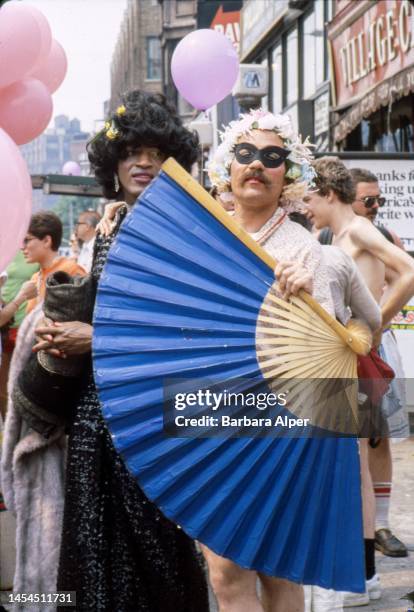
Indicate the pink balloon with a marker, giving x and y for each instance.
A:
(15, 199)
(71, 168)
(53, 70)
(20, 42)
(25, 110)
(204, 67)
(46, 35)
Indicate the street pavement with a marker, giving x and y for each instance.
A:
(397, 575)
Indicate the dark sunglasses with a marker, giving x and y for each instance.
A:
(369, 201)
(271, 157)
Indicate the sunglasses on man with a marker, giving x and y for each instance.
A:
(369, 201)
(271, 157)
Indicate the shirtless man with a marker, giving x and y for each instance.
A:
(379, 262)
(367, 203)
(373, 254)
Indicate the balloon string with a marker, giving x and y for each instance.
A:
(203, 183)
(202, 165)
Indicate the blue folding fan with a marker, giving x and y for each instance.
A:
(187, 296)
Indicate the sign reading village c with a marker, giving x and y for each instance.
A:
(370, 48)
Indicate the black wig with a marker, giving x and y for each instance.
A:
(146, 120)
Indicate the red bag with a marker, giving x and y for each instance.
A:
(374, 376)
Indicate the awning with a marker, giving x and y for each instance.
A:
(388, 91)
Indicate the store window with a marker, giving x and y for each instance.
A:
(265, 100)
(309, 72)
(386, 131)
(313, 44)
(329, 10)
(319, 35)
(153, 58)
(184, 7)
(277, 79)
(291, 67)
(294, 117)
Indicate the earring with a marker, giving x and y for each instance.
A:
(116, 183)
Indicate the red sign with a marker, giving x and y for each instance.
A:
(228, 23)
(340, 5)
(374, 47)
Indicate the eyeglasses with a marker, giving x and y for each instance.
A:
(271, 157)
(81, 223)
(369, 201)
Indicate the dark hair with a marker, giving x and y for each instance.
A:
(360, 175)
(333, 175)
(45, 223)
(301, 219)
(147, 120)
(92, 217)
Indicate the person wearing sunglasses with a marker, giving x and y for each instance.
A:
(368, 205)
(367, 202)
(368, 198)
(381, 263)
(265, 170)
(372, 203)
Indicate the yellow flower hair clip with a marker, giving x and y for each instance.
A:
(121, 110)
(111, 131)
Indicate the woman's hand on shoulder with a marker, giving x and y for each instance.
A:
(107, 224)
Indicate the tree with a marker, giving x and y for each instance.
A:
(68, 209)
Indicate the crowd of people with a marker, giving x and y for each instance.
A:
(77, 507)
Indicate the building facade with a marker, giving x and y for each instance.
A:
(343, 70)
(48, 153)
(289, 37)
(372, 50)
(149, 34)
(179, 18)
(137, 61)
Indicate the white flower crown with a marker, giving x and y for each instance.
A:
(300, 173)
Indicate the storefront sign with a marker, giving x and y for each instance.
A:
(404, 319)
(228, 23)
(321, 114)
(403, 326)
(223, 16)
(393, 89)
(375, 47)
(251, 81)
(340, 5)
(396, 180)
(258, 17)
